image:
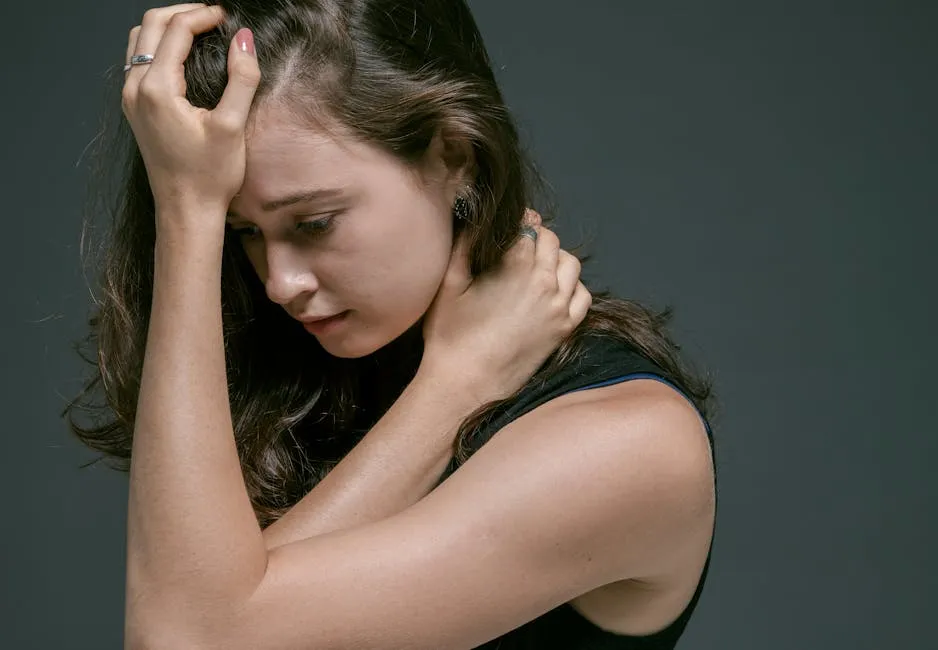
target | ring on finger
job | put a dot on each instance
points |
(528, 231)
(138, 59)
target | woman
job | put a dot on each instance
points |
(423, 468)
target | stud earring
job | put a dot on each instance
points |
(461, 208)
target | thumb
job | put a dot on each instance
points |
(244, 75)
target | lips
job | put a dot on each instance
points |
(323, 326)
(319, 320)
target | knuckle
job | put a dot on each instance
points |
(226, 124)
(151, 16)
(148, 90)
(134, 31)
(545, 278)
(246, 72)
(162, 16)
(571, 260)
(127, 99)
(586, 296)
(560, 311)
(179, 20)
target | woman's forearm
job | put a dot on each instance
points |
(395, 465)
(192, 533)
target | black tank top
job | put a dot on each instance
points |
(605, 361)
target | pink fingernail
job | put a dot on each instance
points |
(245, 40)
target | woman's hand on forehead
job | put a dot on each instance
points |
(195, 158)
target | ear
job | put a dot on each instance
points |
(451, 159)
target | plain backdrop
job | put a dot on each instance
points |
(768, 168)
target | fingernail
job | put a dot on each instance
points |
(245, 40)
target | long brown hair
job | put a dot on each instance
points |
(392, 72)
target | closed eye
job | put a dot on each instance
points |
(316, 226)
(242, 232)
(312, 227)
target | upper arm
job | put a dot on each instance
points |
(573, 495)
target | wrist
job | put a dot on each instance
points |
(190, 224)
(464, 394)
(192, 253)
(189, 202)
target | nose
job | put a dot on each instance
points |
(288, 274)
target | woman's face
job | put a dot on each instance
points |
(333, 225)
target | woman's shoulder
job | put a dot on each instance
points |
(599, 372)
(629, 439)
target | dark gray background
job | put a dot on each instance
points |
(768, 168)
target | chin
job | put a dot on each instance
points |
(343, 352)
(357, 344)
(350, 347)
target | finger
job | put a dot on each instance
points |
(532, 218)
(547, 254)
(178, 36)
(154, 25)
(580, 303)
(568, 274)
(244, 75)
(152, 28)
(523, 251)
(131, 45)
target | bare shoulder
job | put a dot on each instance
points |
(655, 439)
(651, 600)
(652, 411)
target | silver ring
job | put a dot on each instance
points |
(138, 59)
(528, 231)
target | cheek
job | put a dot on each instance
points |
(417, 277)
(404, 271)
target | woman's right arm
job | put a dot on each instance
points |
(483, 339)
(397, 463)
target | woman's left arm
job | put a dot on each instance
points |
(194, 545)
(192, 537)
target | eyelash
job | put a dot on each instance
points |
(312, 228)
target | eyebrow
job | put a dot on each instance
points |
(304, 196)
